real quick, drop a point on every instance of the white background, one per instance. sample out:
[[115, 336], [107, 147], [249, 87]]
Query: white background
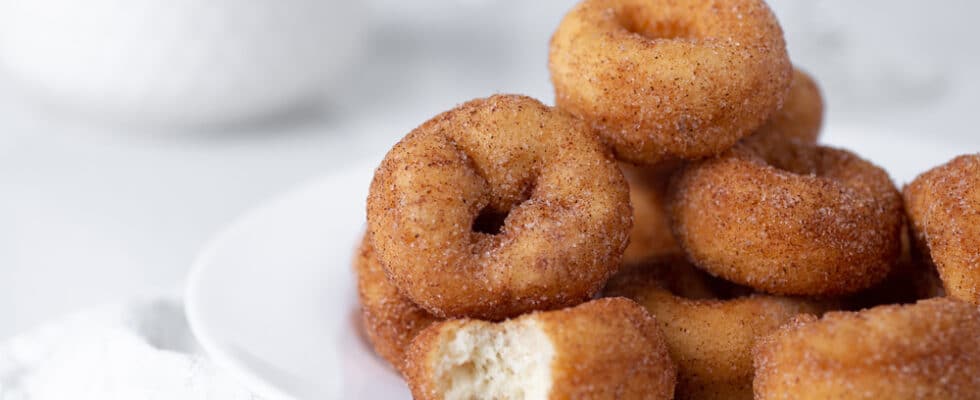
[[92, 212]]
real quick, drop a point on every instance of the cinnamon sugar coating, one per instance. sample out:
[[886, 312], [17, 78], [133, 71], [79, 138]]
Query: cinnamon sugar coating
[[499, 207], [800, 118], [943, 206], [678, 79], [390, 320], [929, 350], [792, 219]]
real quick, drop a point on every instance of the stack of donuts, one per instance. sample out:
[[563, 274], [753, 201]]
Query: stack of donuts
[[669, 229]]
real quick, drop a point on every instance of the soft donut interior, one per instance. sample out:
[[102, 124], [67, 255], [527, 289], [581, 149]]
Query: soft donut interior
[[511, 360]]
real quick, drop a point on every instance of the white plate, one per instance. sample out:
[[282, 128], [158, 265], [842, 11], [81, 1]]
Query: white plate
[[272, 298]]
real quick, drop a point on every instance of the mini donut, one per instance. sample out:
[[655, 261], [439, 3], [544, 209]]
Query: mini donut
[[499, 207], [390, 320], [801, 116], [603, 349], [792, 219], [943, 205], [651, 236], [660, 80], [710, 339], [928, 350]]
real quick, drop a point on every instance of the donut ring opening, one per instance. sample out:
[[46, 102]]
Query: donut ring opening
[[646, 24], [489, 221]]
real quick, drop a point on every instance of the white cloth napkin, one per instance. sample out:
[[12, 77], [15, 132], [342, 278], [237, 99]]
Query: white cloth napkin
[[138, 350]]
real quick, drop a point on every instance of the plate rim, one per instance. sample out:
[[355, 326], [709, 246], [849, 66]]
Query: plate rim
[[204, 258]]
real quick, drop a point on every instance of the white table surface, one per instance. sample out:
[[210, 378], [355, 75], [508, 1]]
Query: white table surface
[[91, 212]]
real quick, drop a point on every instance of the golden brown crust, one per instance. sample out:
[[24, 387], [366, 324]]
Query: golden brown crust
[[793, 219], [651, 236], [943, 205], [608, 349], [709, 339], [604, 349], [511, 155], [389, 319], [801, 116], [670, 79], [929, 350]]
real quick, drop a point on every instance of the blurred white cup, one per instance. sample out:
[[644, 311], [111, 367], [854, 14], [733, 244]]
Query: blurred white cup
[[179, 62]]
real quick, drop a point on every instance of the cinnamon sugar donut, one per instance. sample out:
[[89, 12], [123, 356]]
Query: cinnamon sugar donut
[[389, 319], [929, 350], [943, 205], [670, 79], [499, 207], [709, 336], [793, 219], [603, 349]]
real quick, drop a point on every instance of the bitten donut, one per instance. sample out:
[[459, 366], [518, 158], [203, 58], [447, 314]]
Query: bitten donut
[[929, 350], [651, 236], [793, 219], [603, 349], [710, 339], [499, 207], [801, 116], [943, 205], [389, 319], [670, 79]]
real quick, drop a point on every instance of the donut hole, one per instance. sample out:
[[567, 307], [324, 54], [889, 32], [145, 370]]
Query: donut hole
[[490, 221], [639, 22]]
